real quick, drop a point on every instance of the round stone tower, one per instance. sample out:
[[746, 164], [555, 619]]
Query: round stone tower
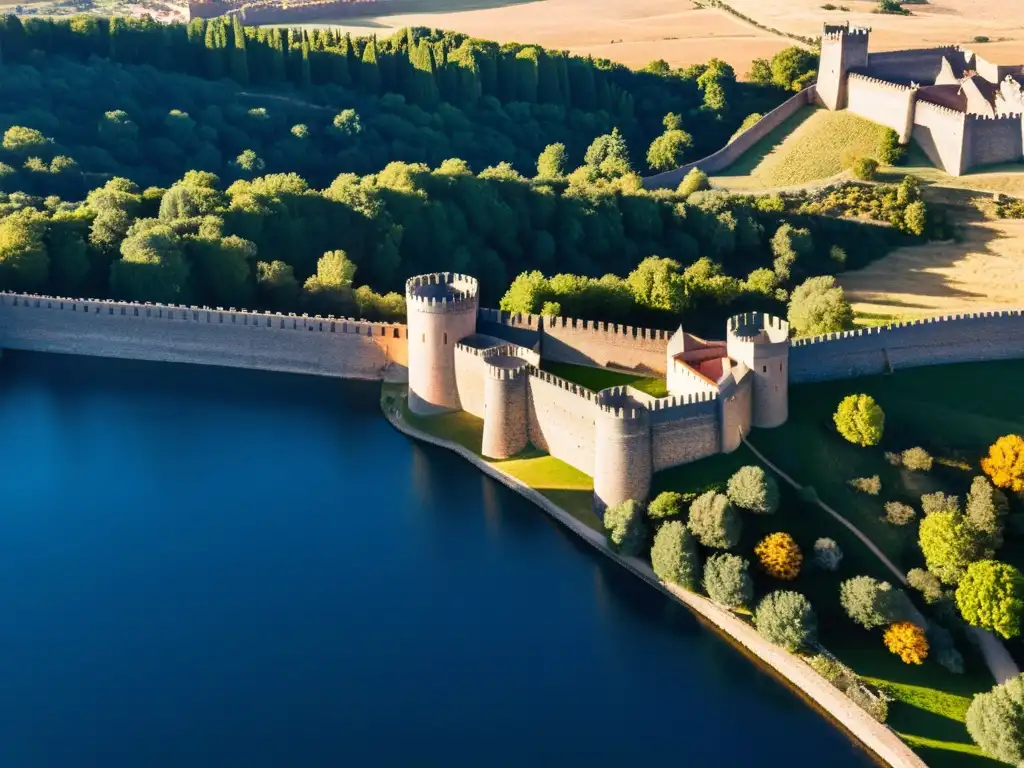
[[442, 310], [505, 432], [623, 464], [761, 342]]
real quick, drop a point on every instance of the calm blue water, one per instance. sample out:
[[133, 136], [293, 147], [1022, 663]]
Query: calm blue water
[[205, 567]]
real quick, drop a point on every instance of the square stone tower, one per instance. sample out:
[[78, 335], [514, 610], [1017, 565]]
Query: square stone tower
[[842, 48]]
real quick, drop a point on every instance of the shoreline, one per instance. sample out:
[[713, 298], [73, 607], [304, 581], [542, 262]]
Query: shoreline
[[880, 741]]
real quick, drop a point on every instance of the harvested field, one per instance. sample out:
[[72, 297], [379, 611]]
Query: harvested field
[[813, 144], [984, 271], [939, 22], [633, 33]]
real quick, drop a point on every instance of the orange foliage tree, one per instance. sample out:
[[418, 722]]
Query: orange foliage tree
[[907, 641], [780, 556], [1005, 462]]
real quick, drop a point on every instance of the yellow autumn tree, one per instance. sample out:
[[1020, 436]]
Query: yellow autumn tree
[[1005, 462], [780, 556], [908, 641]]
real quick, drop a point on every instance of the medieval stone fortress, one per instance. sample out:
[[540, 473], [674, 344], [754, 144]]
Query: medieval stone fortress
[[457, 356], [964, 111]]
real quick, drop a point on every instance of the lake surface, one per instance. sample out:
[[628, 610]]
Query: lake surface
[[210, 567]]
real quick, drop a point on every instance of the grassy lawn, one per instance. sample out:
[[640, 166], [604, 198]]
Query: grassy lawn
[[953, 411], [1007, 178], [811, 145], [597, 379], [564, 485]]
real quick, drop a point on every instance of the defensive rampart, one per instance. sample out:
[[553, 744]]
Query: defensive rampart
[[990, 140], [885, 103], [940, 133], [730, 153], [560, 418], [233, 338], [684, 429], [964, 338]]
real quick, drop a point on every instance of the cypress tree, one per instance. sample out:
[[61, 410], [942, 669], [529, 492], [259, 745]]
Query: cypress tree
[[526, 75], [239, 58], [278, 62], [549, 90], [214, 49], [424, 91], [341, 74], [369, 71], [582, 85], [118, 38], [305, 72]]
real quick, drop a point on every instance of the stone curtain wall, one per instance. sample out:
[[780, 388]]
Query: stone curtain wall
[[580, 342], [989, 140], [967, 338], [730, 153], [920, 65], [882, 102], [685, 432], [469, 379], [561, 417], [238, 339], [940, 133]]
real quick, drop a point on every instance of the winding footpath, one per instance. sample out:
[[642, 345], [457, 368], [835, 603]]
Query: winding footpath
[[789, 668], [997, 658]]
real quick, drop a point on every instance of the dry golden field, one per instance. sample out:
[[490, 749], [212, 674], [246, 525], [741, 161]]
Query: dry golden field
[[939, 22], [984, 271], [633, 32]]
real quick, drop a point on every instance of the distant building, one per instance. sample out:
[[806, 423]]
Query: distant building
[[962, 110]]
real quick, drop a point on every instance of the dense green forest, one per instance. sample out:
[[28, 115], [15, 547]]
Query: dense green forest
[[275, 169], [147, 101]]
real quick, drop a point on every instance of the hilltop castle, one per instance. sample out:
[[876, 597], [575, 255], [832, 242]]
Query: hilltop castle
[[962, 110]]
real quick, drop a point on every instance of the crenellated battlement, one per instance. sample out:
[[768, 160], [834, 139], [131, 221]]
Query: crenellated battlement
[[883, 84], [203, 314], [939, 109], [442, 292], [508, 374], [838, 31], [993, 118], [884, 329], [757, 327], [563, 384]]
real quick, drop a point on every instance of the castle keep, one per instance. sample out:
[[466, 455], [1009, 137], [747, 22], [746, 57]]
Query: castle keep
[[962, 110]]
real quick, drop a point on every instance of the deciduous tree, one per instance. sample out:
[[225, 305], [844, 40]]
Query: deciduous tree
[[991, 595], [674, 555], [860, 420], [786, 619]]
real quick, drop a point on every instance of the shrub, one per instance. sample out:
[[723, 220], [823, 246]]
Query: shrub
[[727, 581], [876, 705], [917, 459], [986, 510], [995, 721], [890, 151], [779, 556], [908, 641], [625, 529], [833, 670], [865, 168], [694, 181], [860, 420], [714, 521], [753, 489], [786, 619], [872, 486], [898, 513], [948, 544], [926, 583], [943, 649], [674, 555], [667, 504], [991, 596], [873, 603], [827, 554], [1005, 463], [818, 305], [940, 502]]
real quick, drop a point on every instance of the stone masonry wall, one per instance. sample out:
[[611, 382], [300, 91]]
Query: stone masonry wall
[[585, 342], [940, 133], [967, 338], [684, 433], [561, 418], [989, 140], [730, 153], [882, 102], [322, 346], [469, 379], [919, 65]]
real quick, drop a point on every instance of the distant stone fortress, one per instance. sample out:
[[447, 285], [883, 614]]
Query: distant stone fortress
[[459, 357], [962, 110], [281, 11]]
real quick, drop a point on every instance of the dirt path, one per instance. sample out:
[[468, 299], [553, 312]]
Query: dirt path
[[997, 658]]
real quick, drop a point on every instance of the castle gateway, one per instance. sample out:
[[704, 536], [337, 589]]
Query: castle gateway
[[962, 110]]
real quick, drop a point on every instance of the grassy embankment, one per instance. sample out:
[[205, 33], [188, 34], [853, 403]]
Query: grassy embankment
[[564, 485], [953, 411]]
